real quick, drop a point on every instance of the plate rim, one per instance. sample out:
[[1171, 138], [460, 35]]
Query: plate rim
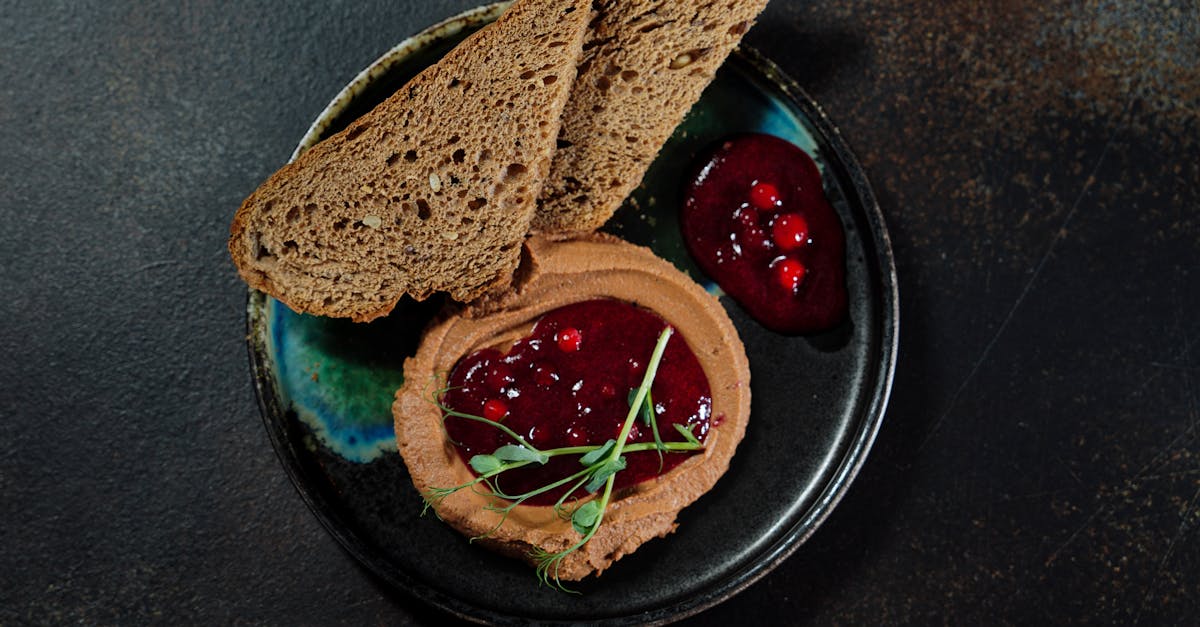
[[848, 467]]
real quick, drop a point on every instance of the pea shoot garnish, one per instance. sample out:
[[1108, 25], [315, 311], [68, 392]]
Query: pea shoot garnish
[[599, 466]]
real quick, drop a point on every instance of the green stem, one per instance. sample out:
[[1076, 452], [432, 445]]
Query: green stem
[[675, 447], [557, 557], [643, 390], [562, 499], [512, 434], [521, 497], [629, 448]]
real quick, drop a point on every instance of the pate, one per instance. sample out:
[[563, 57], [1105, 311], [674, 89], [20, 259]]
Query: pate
[[555, 274]]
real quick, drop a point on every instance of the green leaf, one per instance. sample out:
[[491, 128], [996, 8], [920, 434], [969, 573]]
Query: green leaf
[[606, 470], [687, 433], [515, 453], [484, 464], [647, 408], [594, 456], [586, 517]]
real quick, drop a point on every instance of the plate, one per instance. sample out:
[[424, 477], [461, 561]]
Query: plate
[[325, 388]]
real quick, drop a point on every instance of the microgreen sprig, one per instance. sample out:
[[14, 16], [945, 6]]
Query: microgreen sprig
[[601, 464]]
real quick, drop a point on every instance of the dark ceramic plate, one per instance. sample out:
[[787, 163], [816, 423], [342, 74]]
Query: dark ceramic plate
[[326, 386]]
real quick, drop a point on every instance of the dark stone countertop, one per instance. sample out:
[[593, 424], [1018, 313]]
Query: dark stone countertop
[[1038, 165]]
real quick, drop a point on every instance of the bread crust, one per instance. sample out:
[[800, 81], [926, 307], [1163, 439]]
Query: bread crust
[[645, 63], [433, 190]]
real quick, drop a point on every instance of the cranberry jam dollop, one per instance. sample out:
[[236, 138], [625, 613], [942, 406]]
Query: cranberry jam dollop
[[756, 220], [568, 383]]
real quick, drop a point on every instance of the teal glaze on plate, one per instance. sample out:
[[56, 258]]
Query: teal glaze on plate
[[339, 377], [344, 398]]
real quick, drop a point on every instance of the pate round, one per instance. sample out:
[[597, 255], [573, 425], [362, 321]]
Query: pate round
[[554, 274]]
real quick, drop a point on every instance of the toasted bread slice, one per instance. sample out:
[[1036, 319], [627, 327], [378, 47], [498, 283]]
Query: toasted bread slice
[[433, 190], [645, 64]]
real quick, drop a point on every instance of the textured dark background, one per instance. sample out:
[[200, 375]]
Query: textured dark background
[[1038, 164]]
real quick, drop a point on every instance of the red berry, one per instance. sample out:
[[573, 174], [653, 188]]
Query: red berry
[[764, 196], [569, 339], [495, 410], [790, 231], [789, 273]]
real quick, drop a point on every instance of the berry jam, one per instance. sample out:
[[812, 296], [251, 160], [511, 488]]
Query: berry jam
[[568, 383], [756, 220]]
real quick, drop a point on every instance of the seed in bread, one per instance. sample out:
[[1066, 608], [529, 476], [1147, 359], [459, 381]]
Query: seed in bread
[[433, 190], [645, 63]]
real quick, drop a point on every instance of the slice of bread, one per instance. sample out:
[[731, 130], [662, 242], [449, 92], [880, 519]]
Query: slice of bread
[[645, 64], [433, 190]]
